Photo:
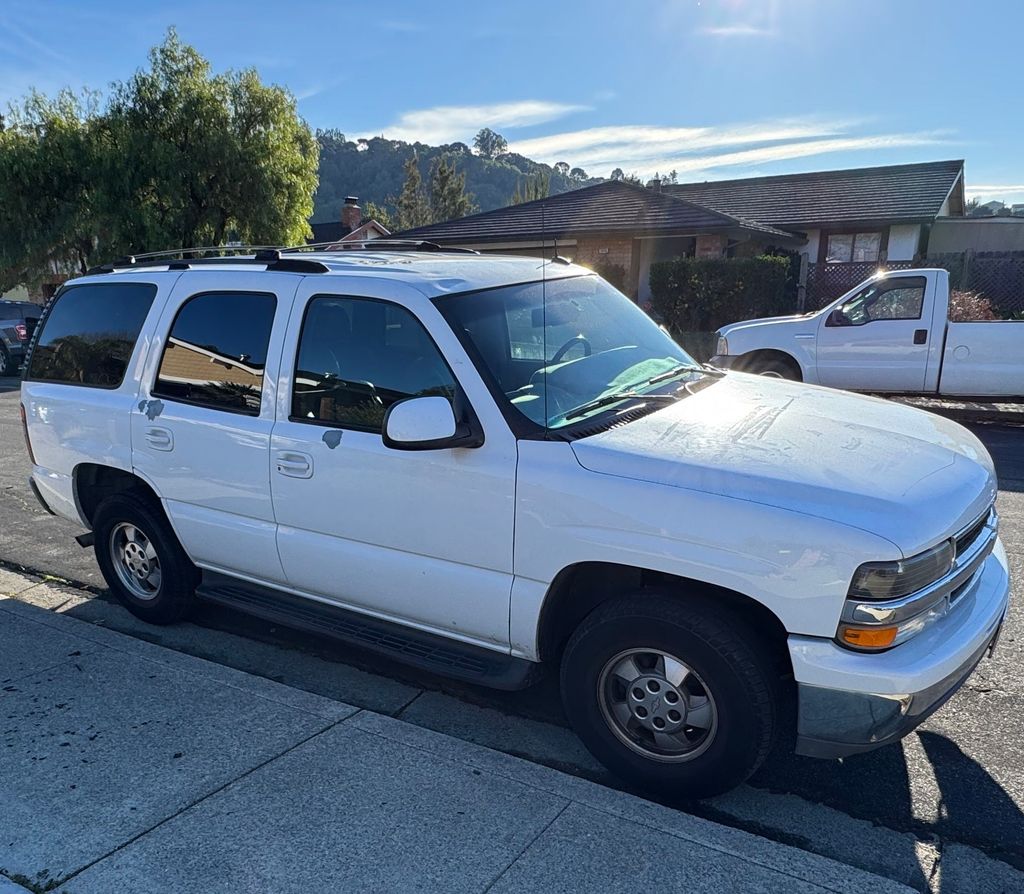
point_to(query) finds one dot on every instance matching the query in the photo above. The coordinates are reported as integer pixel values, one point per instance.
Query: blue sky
(714, 89)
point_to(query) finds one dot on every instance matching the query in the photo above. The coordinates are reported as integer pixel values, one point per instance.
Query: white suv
(487, 466)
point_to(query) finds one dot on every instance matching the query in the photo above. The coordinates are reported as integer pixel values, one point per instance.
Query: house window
(846, 248)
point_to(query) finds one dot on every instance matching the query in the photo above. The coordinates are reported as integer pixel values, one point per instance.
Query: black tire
(774, 367)
(719, 647)
(174, 595)
(7, 368)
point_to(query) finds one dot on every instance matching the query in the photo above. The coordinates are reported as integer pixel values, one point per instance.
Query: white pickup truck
(891, 333)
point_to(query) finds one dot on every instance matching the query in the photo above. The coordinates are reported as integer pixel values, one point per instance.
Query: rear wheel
(142, 561)
(7, 367)
(672, 694)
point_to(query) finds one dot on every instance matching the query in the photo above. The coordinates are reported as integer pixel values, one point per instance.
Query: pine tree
(448, 197)
(412, 207)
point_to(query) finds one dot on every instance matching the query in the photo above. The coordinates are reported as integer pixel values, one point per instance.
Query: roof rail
(271, 258)
(378, 245)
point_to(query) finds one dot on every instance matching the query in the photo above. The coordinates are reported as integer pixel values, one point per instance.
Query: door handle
(920, 336)
(160, 438)
(294, 465)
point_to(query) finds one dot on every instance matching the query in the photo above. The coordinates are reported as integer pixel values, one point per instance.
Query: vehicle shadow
(968, 805)
(9, 383)
(1006, 445)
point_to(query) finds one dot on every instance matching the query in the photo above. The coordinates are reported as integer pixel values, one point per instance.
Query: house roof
(608, 207)
(894, 193)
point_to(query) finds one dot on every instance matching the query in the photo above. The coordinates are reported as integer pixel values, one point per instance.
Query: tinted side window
(217, 349)
(90, 333)
(357, 357)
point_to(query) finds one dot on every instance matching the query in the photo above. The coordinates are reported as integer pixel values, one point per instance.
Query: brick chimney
(351, 213)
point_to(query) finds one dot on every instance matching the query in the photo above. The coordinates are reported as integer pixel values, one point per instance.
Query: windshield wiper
(672, 373)
(599, 402)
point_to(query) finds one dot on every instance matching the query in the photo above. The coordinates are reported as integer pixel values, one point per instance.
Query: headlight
(882, 609)
(890, 580)
(722, 348)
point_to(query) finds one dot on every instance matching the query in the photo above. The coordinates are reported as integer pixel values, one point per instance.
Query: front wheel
(672, 694)
(142, 561)
(773, 368)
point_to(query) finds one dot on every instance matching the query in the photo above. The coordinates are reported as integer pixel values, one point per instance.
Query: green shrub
(693, 295)
(615, 274)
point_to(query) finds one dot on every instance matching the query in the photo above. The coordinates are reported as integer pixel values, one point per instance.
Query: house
(349, 228)
(861, 215)
(611, 224)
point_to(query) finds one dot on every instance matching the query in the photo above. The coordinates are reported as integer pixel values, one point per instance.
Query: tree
(562, 168)
(178, 157)
(448, 197)
(537, 186)
(412, 207)
(578, 175)
(617, 174)
(490, 144)
(373, 211)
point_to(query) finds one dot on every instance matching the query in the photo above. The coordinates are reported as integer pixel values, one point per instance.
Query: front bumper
(723, 361)
(851, 702)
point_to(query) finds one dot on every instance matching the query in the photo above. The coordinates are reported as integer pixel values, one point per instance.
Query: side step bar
(427, 651)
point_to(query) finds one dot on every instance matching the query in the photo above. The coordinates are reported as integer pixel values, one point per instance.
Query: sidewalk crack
(526, 847)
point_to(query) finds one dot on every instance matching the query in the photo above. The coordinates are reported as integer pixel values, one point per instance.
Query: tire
(732, 692)
(139, 529)
(7, 367)
(773, 367)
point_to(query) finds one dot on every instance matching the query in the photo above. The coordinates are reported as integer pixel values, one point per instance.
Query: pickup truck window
(563, 351)
(216, 351)
(357, 357)
(90, 333)
(901, 298)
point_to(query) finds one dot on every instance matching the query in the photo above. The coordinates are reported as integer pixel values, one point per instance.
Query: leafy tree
(578, 175)
(617, 174)
(373, 211)
(562, 168)
(177, 157)
(413, 209)
(448, 197)
(490, 144)
(536, 186)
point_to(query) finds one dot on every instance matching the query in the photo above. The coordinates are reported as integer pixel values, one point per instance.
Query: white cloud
(738, 31)
(446, 124)
(995, 190)
(647, 149)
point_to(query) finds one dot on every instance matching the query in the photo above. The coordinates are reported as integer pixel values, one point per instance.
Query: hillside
(372, 170)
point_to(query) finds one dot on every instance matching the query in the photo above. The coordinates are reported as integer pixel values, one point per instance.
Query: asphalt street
(957, 781)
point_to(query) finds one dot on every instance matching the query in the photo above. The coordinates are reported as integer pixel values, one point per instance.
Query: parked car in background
(489, 466)
(891, 333)
(18, 319)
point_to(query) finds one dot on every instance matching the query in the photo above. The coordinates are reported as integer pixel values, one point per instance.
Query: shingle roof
(612, 206)
(884, 194)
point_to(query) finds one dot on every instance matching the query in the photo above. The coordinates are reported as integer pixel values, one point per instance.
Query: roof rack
(271, 255)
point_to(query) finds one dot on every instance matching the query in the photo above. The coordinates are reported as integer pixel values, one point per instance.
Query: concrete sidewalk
(128, 766)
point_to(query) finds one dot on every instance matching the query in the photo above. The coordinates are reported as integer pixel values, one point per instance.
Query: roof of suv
(432, 273)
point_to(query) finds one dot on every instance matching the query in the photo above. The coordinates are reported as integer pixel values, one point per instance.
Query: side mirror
(427, 423)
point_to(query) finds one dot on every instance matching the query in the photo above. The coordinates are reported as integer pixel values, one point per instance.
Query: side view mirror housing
(428, 423)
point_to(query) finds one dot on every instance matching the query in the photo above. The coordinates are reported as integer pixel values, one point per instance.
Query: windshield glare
(555, 347)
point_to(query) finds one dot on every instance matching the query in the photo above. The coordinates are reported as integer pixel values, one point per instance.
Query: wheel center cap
(657, 704)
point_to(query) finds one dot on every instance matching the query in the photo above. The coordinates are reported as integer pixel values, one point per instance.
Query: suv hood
(910, 476)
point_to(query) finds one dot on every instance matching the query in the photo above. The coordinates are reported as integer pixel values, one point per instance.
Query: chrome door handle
(294, 465)
(160, 438)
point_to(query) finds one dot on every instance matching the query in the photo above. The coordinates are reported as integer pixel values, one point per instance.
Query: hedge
(692, 295)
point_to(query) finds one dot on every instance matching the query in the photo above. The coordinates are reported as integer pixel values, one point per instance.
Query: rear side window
(89, 334)
(217, 350)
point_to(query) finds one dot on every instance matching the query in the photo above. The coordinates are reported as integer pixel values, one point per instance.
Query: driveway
(957, 782)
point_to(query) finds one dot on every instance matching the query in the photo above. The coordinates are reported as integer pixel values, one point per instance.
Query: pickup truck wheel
(142, 561)
(6, 367)
(672, 694)
(772, 367)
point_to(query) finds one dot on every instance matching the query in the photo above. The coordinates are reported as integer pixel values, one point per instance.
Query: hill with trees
(377, 171)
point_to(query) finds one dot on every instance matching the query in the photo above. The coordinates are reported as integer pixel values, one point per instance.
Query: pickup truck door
(879, 338)
(419, 537)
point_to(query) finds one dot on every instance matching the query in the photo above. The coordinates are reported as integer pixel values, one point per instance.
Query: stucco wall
(903, 241)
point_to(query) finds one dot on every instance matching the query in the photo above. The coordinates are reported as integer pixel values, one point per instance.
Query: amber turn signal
(869, 637)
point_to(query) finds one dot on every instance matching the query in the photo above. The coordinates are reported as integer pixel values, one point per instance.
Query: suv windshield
(568, 349)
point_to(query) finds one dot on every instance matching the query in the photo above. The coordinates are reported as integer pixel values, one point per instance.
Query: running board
(426, 651)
